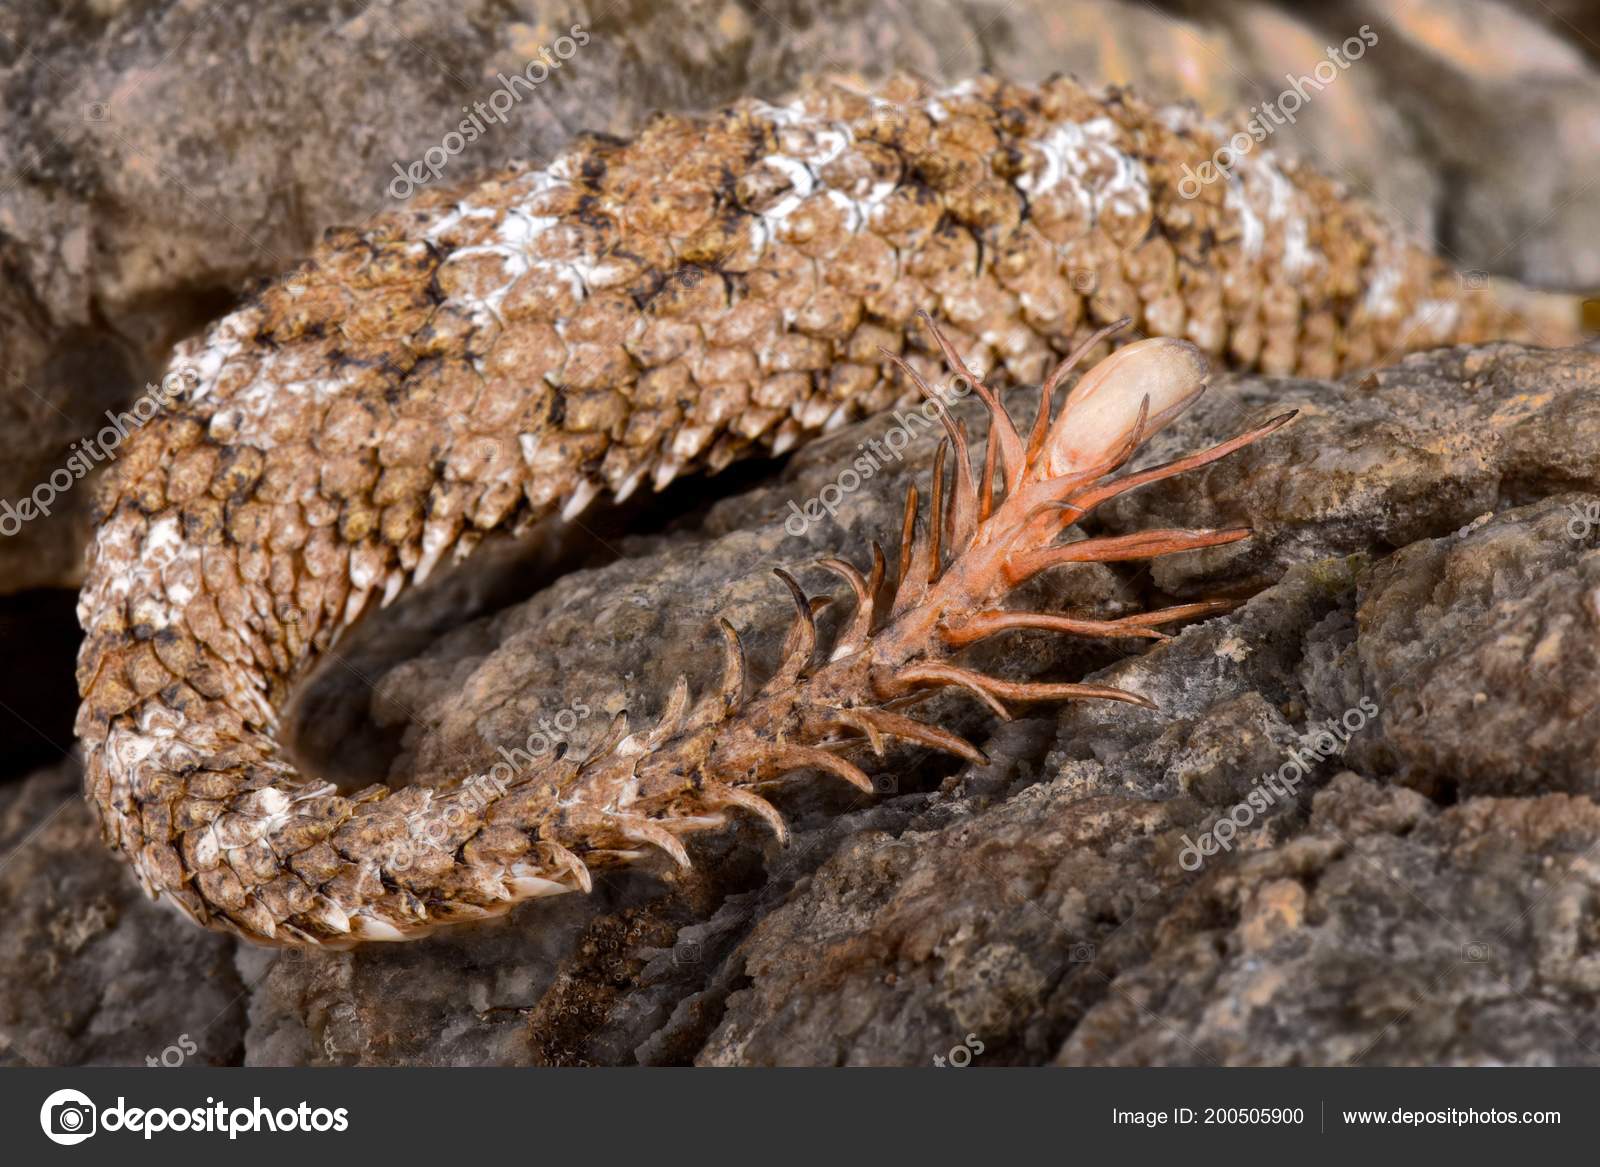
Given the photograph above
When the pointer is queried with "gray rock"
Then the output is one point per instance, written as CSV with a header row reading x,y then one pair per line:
x,y
1482,648
92,972
1491,97
1406,453
1387,932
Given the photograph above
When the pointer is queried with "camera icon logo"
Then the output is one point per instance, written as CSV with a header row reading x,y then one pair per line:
x,y
68,1117
688,952
1584,520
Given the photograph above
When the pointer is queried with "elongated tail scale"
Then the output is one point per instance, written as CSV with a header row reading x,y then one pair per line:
x,y
482,358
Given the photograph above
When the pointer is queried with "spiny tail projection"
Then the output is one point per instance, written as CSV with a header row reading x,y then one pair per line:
x,y
484,357
243,844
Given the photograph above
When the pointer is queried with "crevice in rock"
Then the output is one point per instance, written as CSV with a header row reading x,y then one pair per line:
x,y
38,689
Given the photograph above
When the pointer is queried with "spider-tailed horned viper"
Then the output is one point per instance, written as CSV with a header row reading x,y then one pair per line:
x,y
481,358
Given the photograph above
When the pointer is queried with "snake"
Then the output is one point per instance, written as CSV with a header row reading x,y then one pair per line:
x,y
482,357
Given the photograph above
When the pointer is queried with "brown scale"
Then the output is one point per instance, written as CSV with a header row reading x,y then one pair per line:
x,y
673,302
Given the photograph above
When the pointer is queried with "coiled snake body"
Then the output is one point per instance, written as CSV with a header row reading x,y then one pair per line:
x,y
482,358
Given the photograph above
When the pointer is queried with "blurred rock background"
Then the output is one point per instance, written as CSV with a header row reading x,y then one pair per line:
x,y
160,155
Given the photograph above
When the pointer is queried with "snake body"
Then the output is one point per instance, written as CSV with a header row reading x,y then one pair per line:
x,y
481,358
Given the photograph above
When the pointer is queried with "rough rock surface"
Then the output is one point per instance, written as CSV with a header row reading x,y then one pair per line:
x,y
1479,81
1472,631
1386,931
1377,462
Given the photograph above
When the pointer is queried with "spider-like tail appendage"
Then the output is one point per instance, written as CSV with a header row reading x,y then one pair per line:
x,y
978,543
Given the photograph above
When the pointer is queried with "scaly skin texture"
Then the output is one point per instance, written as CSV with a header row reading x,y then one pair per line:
x,y
481,358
